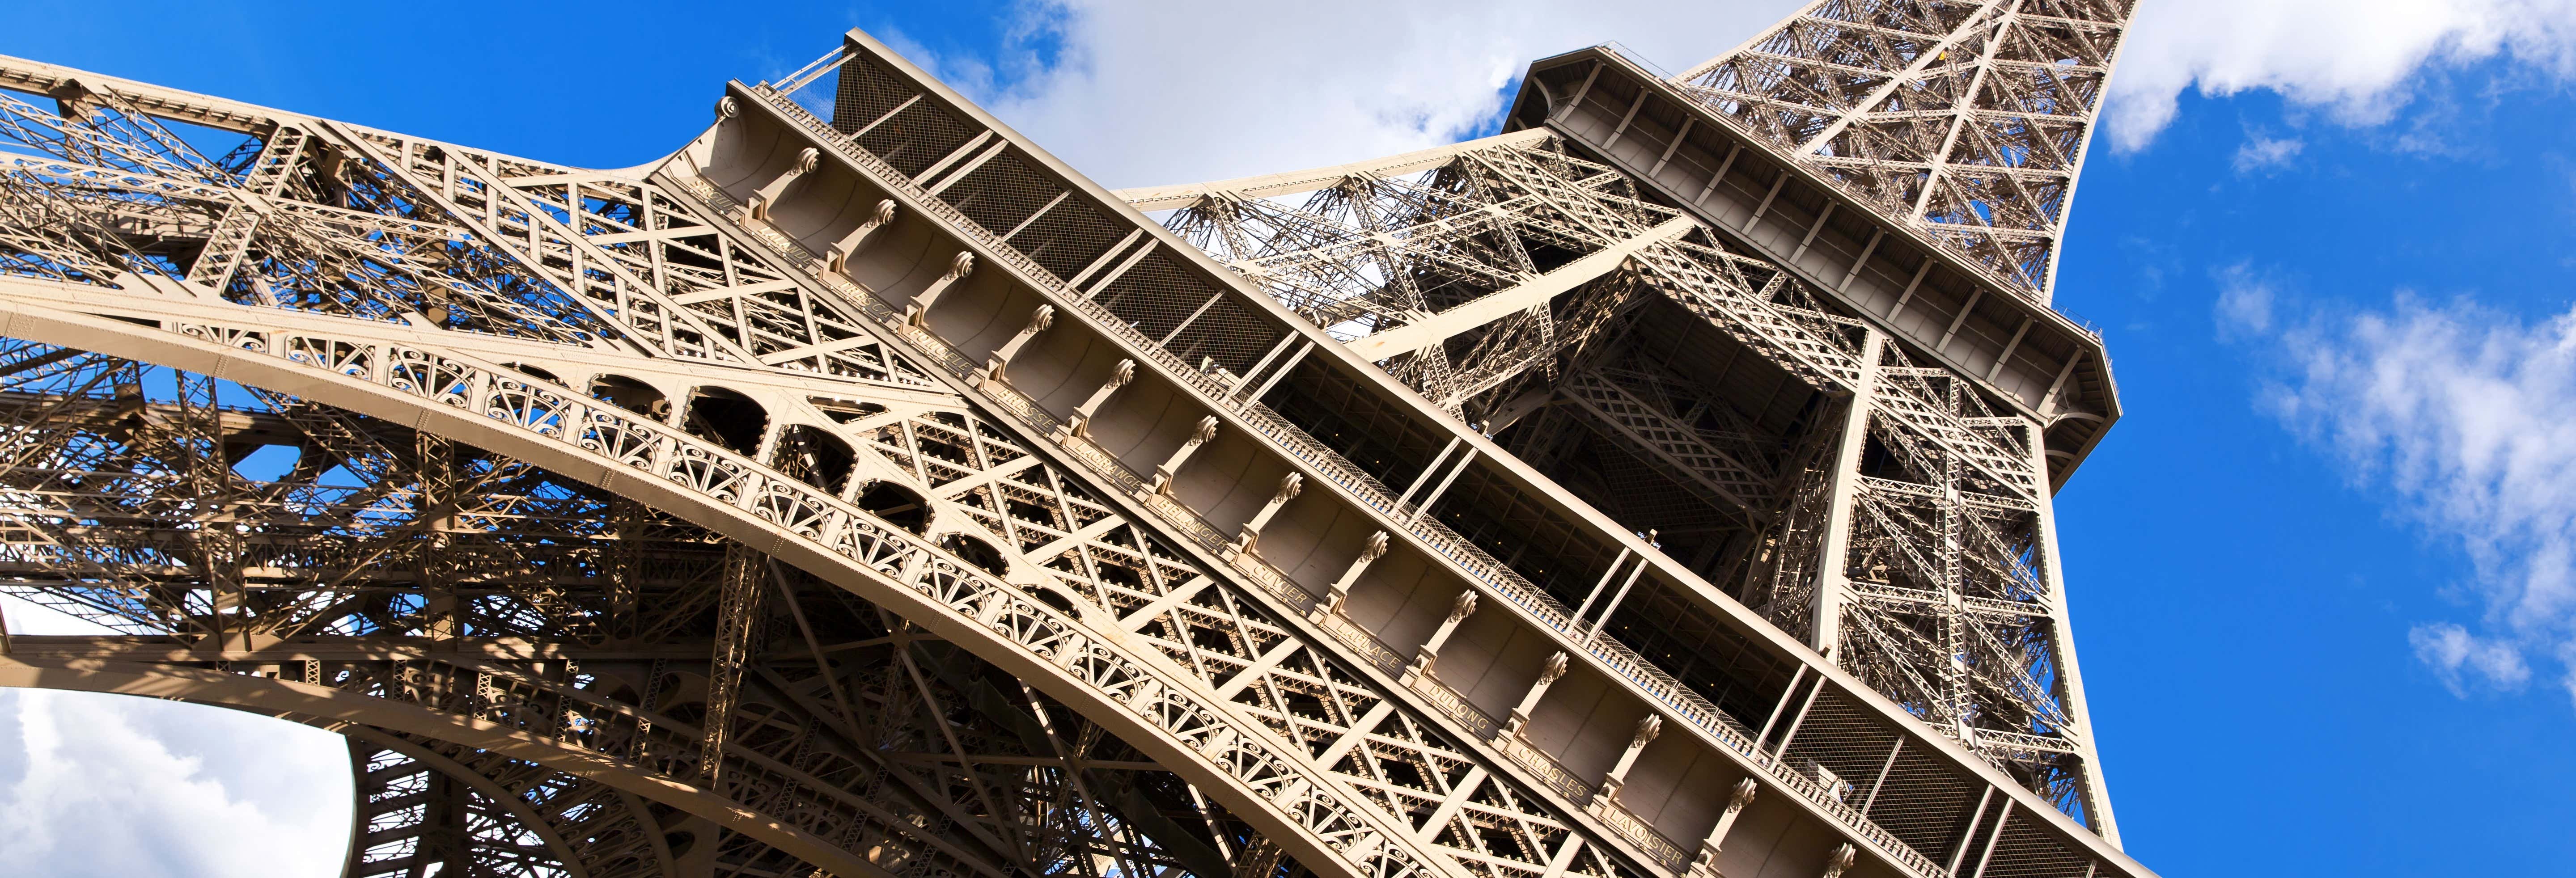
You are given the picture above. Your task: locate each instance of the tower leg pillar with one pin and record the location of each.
(1832, 585)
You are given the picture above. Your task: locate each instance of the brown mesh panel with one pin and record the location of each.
(1228, 331)
(1924, 803)
(916, 137)
(2027, 851)
(1001, 193)
(1155, 296)
(1841, 747)
(865, 93)
(1068, 238)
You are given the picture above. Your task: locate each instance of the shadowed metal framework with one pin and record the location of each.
(859, 491)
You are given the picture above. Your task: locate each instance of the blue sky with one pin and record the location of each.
(2323, 574)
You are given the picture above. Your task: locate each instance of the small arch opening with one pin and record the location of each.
(976, 552)
(896, 504)
(1052, 598)
(843, 411)
(539, 372)
(726, 418)
(631, 395)
(814, 457)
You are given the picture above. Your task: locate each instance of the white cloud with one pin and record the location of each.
(2244, 302)
(2461, 419)
(2262, 153)
(2450, 649)
(113, 785)
(2355, 58)
(116, 786)
(1164, 91)
(2466, 417)
(1159, 91)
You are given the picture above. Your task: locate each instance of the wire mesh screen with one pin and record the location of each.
(1229, 333)
(1841, 748)
(1924, 802)
(1002, 193)
(1068, 237)
(1156, 296)
(2025, 850)
(1360, 427)
(863, 94)
(872, 104)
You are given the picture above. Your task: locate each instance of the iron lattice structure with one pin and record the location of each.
(859, 491)
(1965, 122)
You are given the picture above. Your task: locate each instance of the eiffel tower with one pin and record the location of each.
(1658, 488)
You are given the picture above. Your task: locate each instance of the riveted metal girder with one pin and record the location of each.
(859, 491)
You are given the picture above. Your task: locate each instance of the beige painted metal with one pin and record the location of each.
(872, 494)
(1529, 294)
(1966, 122)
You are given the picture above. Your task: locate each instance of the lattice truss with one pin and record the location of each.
(202, 514)
(840, 712)
(1953, 618)
(1963, 119)
(1486, 221)
(414, 817)
(1949, 611)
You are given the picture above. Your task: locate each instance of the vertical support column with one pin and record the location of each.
(438, 503)
(1341, 588)
(738, 618)
(1597, 587)
(1705, 865)
(1427, 470)
(624, 565)
(1289, 486)
(1039, 320)
(1647, 729)
(1080, 423)
(1832, 584)
(2070, 679)
(1547, 675)
(1615, 600)
(1968, 836)
(446, 831)
(1423, 658)
(215, 547)
(229, 242)
(1423, 506)
(768, 194)
(1200, 436)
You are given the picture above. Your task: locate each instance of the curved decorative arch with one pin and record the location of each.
(633, 395)
(760, 262)
(1138, 695)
